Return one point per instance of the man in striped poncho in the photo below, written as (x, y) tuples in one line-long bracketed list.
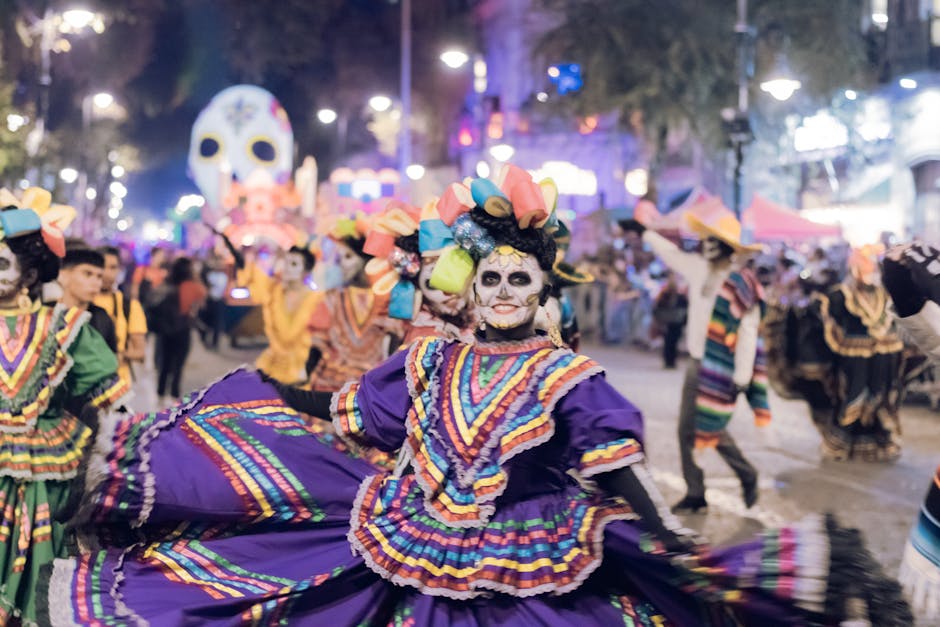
[(725, 305)]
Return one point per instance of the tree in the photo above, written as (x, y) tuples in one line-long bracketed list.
[(672, 64)]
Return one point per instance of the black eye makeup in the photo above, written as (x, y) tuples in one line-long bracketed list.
[(520, 279), (490, 278)]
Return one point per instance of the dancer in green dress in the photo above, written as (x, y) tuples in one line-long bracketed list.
[(53, 368)]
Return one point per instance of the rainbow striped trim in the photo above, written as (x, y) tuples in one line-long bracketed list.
[(551, 553), (716, 390), (488, 404), (42, 455), (610, 456), (32, 368)]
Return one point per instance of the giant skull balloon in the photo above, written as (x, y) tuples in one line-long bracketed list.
[(243, 128)]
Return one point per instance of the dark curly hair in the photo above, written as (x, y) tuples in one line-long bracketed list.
[(408, 243), (38, 264), (506, 231), (356, 244), (309, 259)]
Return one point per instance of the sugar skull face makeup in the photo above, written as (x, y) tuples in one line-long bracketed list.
[(712, 249), (507, 287), (293, 267), (438, 302), (10, 272), (350, 263)]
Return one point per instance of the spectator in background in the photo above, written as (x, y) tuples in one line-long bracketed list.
[(127, 314), (216, 278), (150, 276), (176, 304), (671, 312), (80, 279)]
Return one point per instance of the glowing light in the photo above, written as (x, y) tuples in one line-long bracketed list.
[(479, 75), (326, 116), (588, 125), (502, 152), (116, 203), (483, 169), (465, 138), (15, 122), (820, 132), (636, 182), (118, 190), (150, 231), (24, 184), (380, 103), (102, 100), (114, 214), (91, 193), (77, 19), (122, 225), (188, 201), (569, 178), (908, 83), (881, 19), (415, 171), (541, 96), (118, 171), (851, 94), (781, 88), (454, 58), (494, 129), (554, 72), (69, 175)]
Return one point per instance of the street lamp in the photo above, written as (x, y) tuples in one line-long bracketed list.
[(327, 116), (68, 175), (380, 103), (415, 171), (454, 58), (502, 152)]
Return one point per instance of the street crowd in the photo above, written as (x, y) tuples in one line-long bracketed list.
[(421, 441)]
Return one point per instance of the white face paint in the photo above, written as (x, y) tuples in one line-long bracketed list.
[(10, 272), (245, 128), (350, 263), (507, 287), (712, 249), (439, 302), (293, 268)]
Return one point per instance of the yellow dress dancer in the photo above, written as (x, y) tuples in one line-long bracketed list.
[(287, 305)]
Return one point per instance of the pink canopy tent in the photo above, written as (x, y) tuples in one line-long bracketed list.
[(767, 221)]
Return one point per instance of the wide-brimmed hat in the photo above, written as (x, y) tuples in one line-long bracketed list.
[(725, 227)]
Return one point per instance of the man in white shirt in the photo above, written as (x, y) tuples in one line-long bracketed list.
[(705, 275)]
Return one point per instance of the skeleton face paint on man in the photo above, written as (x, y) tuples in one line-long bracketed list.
[(438, 302), (507, 288), (713, 249), (11, 275)]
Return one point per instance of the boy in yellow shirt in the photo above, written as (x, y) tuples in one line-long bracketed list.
[(130, 324)]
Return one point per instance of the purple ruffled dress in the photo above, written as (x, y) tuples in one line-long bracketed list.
[(228, 511)]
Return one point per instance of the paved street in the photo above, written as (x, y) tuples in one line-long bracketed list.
[(879, 499)]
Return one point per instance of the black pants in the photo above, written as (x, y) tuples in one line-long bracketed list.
[(174, 348), (215, 321), (671, 343), (729, 451)]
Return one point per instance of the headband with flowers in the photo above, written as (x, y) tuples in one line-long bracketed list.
[(36, 213), (392, 268), (514, 194)]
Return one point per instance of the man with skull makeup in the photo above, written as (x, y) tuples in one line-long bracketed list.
[(55, 371), (482, 522), (725, 309)]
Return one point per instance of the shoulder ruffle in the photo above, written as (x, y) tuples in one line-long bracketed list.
[(35, 361)]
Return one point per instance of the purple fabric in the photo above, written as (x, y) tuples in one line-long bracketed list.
[(384, 400), (269, 543)]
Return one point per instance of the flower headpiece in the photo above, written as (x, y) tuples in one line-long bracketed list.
[(356, 227), (36, 213), (392, 268), (514, 194)]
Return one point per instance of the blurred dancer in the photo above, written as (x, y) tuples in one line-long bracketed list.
[(725, 301)]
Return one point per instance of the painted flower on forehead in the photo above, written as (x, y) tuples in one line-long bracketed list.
[(507, 255)]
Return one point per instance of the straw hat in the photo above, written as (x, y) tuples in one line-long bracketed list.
[(725, 227)]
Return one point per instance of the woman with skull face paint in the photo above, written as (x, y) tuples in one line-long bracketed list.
[(350, 328), (54, 368), (482, 522), (287, 303), (846, 359)]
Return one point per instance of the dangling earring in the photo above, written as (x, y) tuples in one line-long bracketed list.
[(23, 301), (554, 333)]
